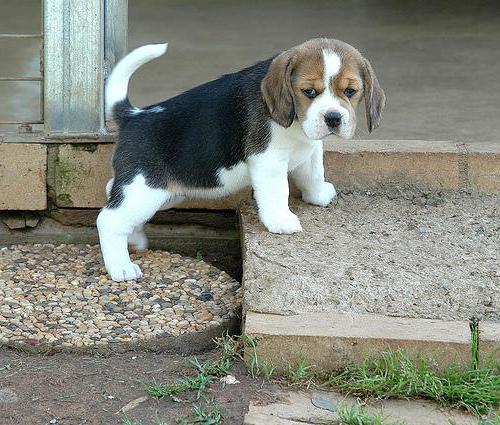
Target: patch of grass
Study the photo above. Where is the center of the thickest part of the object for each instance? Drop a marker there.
(493, 419)
(127, 421)
(10, 366)
(257, 367)
(210, 414)
(254, 359)
(301, 373)
(357, 415)
(207, 371)
(198, 384)
(218, 368)
(394, 374)
(266, 370)
(231, 347)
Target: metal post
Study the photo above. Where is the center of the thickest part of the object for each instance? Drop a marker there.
(115, 34)
(81, 37)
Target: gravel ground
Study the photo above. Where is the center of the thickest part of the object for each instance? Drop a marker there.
(58, 296)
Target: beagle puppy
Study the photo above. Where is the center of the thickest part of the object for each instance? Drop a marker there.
(250, 128)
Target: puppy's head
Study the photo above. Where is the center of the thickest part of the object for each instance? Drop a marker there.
(319, 83)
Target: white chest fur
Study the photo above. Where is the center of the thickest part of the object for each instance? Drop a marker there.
(287, 145)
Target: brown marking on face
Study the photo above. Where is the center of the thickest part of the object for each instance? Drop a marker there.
(308, 74)
(293, 70)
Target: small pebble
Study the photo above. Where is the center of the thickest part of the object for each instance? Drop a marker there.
(206, 296)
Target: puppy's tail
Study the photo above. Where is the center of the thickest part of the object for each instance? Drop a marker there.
(117, 103)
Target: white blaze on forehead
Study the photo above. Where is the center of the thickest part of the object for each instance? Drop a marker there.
(332, 65)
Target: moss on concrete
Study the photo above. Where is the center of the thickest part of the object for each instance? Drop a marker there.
(64, 200)
(86, 147)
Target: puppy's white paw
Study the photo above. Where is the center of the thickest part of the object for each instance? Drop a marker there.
(138, 240)
(325, 194)
(126, 271)
(286, 222)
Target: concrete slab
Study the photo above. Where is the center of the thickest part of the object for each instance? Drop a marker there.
(79, 171)
(23, 170)
(293, 408)
(332, 341)
(297, 408)
(380, 170)
(483, 171)
(425, 257)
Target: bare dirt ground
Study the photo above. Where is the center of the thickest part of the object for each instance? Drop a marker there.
(70, 389)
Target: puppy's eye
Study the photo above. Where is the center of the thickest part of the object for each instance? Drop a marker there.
(349, 92)
(310, 93)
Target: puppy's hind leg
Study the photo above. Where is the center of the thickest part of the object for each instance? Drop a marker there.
(138, 239)
(117, 221)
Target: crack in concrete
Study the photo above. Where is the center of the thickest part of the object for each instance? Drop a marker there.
(267, 260)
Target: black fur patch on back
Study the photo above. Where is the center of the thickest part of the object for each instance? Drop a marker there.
(216, 125)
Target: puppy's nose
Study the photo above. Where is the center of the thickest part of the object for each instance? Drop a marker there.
(333, 119)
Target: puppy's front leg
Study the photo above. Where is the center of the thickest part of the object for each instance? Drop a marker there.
(270, 185)
(310, 179)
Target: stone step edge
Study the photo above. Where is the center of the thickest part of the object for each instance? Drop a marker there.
(332, 341)
(426, 166)
(412, 146)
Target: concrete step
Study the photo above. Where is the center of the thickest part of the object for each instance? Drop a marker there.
(425, 165)
(332, 341)
(369, 272)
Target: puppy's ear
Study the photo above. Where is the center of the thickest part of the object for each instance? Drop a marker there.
(276, 88)
(374, 97)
